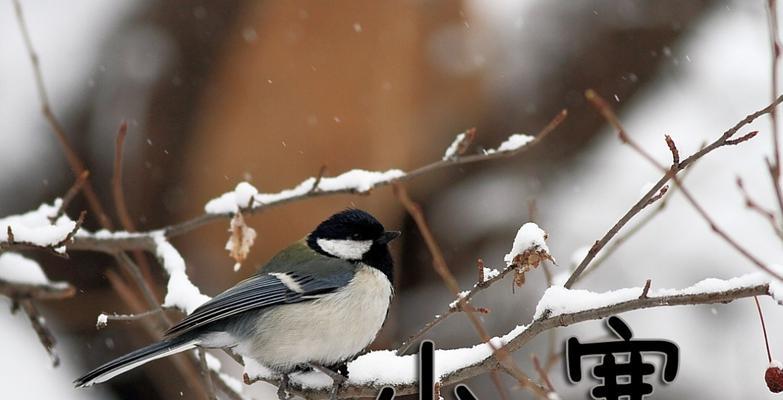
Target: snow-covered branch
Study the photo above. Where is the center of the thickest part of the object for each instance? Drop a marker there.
(558, 307)
(247, 199)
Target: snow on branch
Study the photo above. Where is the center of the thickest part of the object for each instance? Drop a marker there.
(180, 291)
(558, 307)
(246, 196)
(23, 278)
(356, 181)
(44, 228)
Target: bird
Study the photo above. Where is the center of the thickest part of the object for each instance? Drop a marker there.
(314, 305)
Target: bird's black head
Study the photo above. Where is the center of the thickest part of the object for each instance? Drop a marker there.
(354, 235)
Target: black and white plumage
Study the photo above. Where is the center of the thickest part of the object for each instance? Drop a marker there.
(320, 301)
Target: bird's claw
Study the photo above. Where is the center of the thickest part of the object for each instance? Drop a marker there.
(338, 378)
(282, 390)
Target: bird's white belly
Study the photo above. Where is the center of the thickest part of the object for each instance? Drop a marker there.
(326, 331)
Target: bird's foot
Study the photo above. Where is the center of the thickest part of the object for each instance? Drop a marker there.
(338, 377)
(343, 370)
(282, 390)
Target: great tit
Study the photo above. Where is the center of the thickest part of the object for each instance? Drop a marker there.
(317, 303)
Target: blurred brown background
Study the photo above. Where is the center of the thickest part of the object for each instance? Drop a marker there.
(270, 91)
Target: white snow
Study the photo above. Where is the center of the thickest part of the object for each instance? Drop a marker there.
(513, 142)
(529, 236)
(102, 321)
(490, 273)
(242, 196)
(36, 228)
(775, 364)
(559, 300)
(107, 234)
(460, 296)
(357, 180)
(451, 151)
(16, 268)
(180, 291)
(384, 367)
(213, 362)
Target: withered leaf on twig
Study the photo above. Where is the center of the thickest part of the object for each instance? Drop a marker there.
(241, 240)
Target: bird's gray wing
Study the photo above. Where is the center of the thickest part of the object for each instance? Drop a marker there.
(307, 279)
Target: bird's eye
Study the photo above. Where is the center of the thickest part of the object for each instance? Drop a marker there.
(355, 236)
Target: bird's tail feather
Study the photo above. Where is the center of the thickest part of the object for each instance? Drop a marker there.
(133, 360)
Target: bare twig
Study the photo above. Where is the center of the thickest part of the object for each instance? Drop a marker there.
(440, 266)
(116, 181)
(76, 164)
(646, 289)
(118, 193)
(321, 172)
(135, 273)
(71, 193)
(452, 310)
(542, 374)
(667, 176)
(22, 291)
(774, 166)
(755, 206)
(621, 239)
(763, 328)
(45, 335)
(126, 317)
(741, 139)
(464, 144)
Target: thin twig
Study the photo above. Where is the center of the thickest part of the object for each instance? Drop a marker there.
(675, 168)
(43, 332)
(774, 166)
(76, 164)
(768, 215)
(440, 266)
(631, 232)
(542, 374)
(452, 310)
(646, 289)
(22, 291)
(641, 203)
(126, 317)
(70, 194)
(321, 172)
(763, 328)
(133, 270)
(118, 193)
(116, 180)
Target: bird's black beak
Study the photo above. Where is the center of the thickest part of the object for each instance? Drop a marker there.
(388, 236)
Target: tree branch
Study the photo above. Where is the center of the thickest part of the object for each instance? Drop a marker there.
(538, 326)
(143, 240)
(667, 176)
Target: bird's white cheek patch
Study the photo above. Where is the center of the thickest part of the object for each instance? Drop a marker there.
(345, 249)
